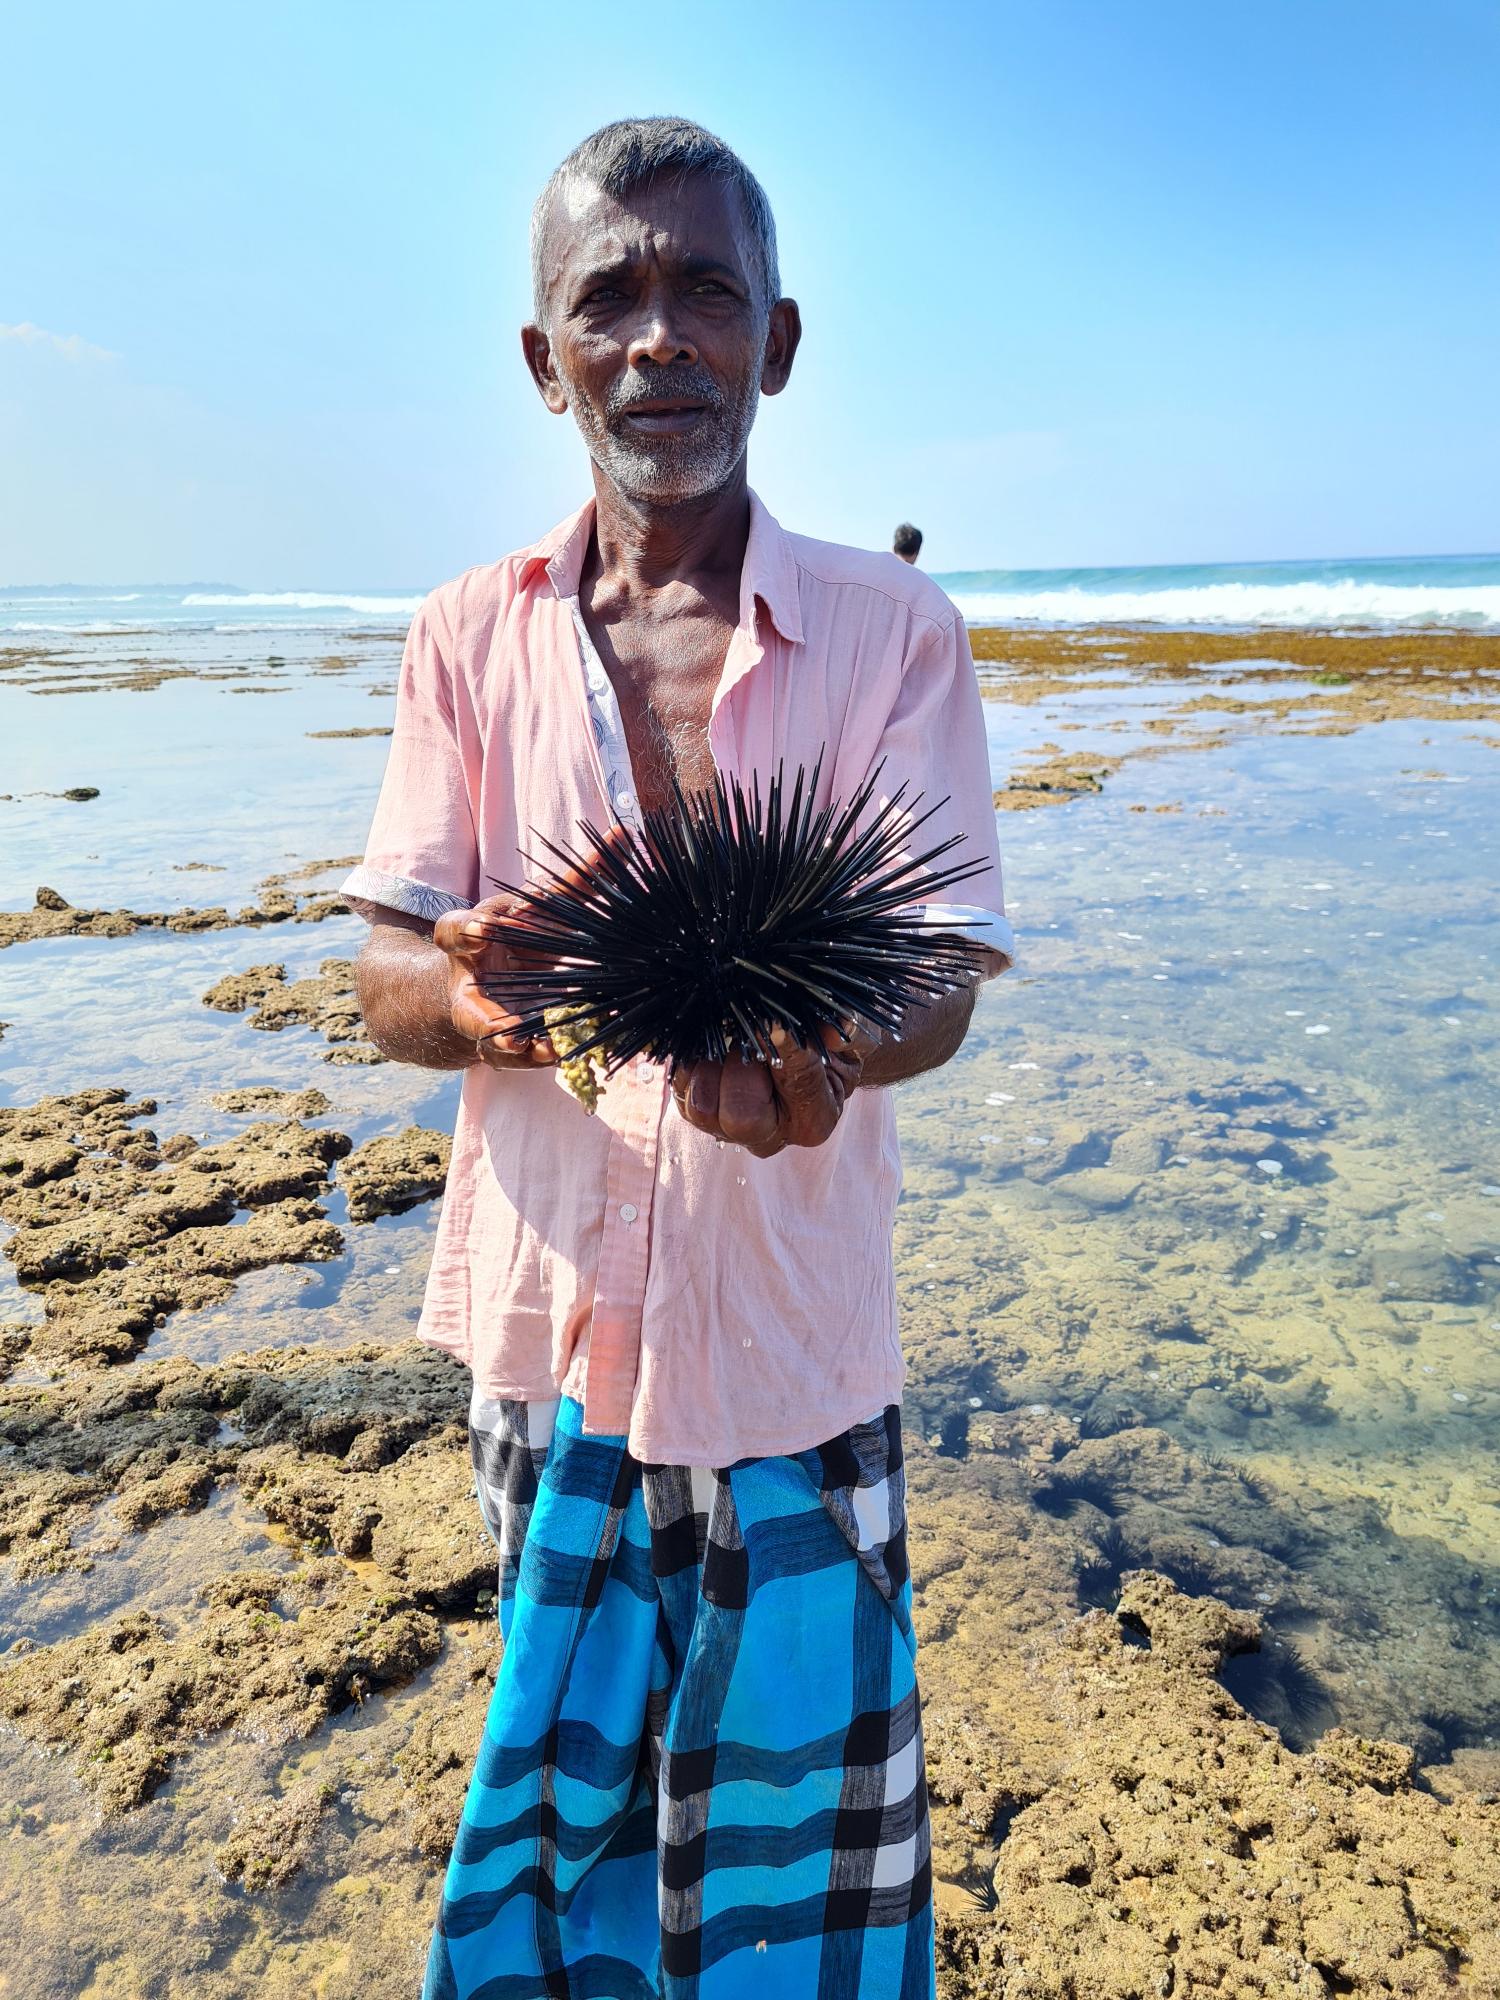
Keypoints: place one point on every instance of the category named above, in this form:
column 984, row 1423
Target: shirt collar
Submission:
column 769, row 576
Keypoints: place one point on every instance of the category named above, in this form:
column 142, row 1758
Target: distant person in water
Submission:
column 907, row 542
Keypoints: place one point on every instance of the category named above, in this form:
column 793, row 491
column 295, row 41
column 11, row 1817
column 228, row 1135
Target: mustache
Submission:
column 691, row 384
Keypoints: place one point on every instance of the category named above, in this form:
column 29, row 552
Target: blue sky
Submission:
column 1084, row 281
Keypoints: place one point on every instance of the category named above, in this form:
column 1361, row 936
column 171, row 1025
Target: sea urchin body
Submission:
column 727, row 916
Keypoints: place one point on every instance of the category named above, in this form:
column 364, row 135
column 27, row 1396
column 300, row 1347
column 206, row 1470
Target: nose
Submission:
column 657, row 339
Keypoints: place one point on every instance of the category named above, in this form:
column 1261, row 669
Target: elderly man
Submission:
column 701, row 1773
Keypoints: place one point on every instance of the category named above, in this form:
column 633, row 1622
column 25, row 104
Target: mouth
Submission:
column 664, row 417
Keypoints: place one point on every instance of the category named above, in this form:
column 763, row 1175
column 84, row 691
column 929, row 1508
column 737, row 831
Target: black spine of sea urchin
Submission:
column 728, row 916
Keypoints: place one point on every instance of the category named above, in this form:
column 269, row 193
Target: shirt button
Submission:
column 627, row 801
column 628, row 1211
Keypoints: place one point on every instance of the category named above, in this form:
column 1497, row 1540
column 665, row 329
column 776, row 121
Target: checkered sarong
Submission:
column 701, row 1775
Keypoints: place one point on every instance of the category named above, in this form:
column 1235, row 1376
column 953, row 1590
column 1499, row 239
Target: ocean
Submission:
column 1460, row 591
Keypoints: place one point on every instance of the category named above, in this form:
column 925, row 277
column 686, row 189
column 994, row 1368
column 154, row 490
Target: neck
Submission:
column 645, row 544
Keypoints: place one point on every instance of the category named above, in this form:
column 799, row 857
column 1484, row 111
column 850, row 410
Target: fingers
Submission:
column 810, row 1093
column 846, row 1050
column 695, row 1086
column 731, row 1101
column 466, row 933
column 492, row 1029
column 748, row 1111
column 474, row 941
column 488, row 937
column 796, row 1100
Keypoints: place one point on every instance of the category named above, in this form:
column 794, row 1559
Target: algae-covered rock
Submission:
column 326, row 1003
column 436, row 1762
column 273, row 1837
column 389, row 1175
column 237, row 991
column 117, row 1235
column 285, row 1652
column 54, row 916
column 311, row 1424
column 267, row 1097
column 415, row 1516
column 1177, row 1846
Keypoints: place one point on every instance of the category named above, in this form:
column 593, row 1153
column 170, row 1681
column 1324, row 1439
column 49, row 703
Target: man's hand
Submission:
column 474, row 941
column 762, row 1106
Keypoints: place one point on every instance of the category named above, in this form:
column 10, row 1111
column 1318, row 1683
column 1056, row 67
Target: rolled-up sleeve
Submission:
column 422, row 856
column 934, row 743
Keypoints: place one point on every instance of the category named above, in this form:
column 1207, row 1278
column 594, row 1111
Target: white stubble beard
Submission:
column 664, row 471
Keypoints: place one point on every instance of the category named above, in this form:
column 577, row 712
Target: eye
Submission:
column 711, row 285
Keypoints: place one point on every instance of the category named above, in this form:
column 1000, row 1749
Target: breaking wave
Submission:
column 300, row 600
column 1342, row 602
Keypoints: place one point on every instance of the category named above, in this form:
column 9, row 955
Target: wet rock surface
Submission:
column 325, row 1003
column 312, row 1433
column 288, row 1650
column 275, row 1836
column 267, row 1097
column 116, row 1236
column 1213, row 683
column 389, row 1175
column 1172, row 1845
column 54, row 916
column 1054, row 778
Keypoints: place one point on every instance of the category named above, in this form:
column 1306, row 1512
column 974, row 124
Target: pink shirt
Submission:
column 710, row 1305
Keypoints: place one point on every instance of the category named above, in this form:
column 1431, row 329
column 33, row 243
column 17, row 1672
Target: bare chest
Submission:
column 664, row 678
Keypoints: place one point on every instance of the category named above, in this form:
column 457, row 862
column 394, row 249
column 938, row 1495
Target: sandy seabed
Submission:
column 1200, row 1422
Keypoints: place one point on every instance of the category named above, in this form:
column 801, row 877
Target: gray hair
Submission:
column 621, row 158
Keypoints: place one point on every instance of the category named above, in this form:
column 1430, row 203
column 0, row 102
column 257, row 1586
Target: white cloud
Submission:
column 71, row 346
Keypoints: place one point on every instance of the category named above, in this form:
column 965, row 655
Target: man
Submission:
column 701, row 1773
column 907, row 543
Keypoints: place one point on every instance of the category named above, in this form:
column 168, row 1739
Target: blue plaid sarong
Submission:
column 701, row 1776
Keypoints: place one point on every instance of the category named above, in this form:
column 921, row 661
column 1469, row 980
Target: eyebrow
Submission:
column 601, row 274
column 693, row 264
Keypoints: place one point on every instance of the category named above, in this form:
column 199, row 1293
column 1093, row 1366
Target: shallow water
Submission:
column 1229, row 1136
column 1221, row 1156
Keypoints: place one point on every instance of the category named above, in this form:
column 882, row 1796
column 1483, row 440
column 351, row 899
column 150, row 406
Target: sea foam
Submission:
column 1313, row 603
column 301, row 600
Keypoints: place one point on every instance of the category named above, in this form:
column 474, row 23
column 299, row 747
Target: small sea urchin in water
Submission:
column 729, row 916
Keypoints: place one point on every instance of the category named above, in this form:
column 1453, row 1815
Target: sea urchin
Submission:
column 728, row 916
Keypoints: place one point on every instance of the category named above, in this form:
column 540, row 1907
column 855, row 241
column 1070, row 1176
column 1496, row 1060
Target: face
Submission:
column 659, row 337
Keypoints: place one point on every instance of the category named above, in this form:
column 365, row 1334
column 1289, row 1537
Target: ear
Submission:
column 783, row 337
column 538, row 351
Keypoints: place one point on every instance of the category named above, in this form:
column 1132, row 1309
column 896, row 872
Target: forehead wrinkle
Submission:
column 624, row 235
